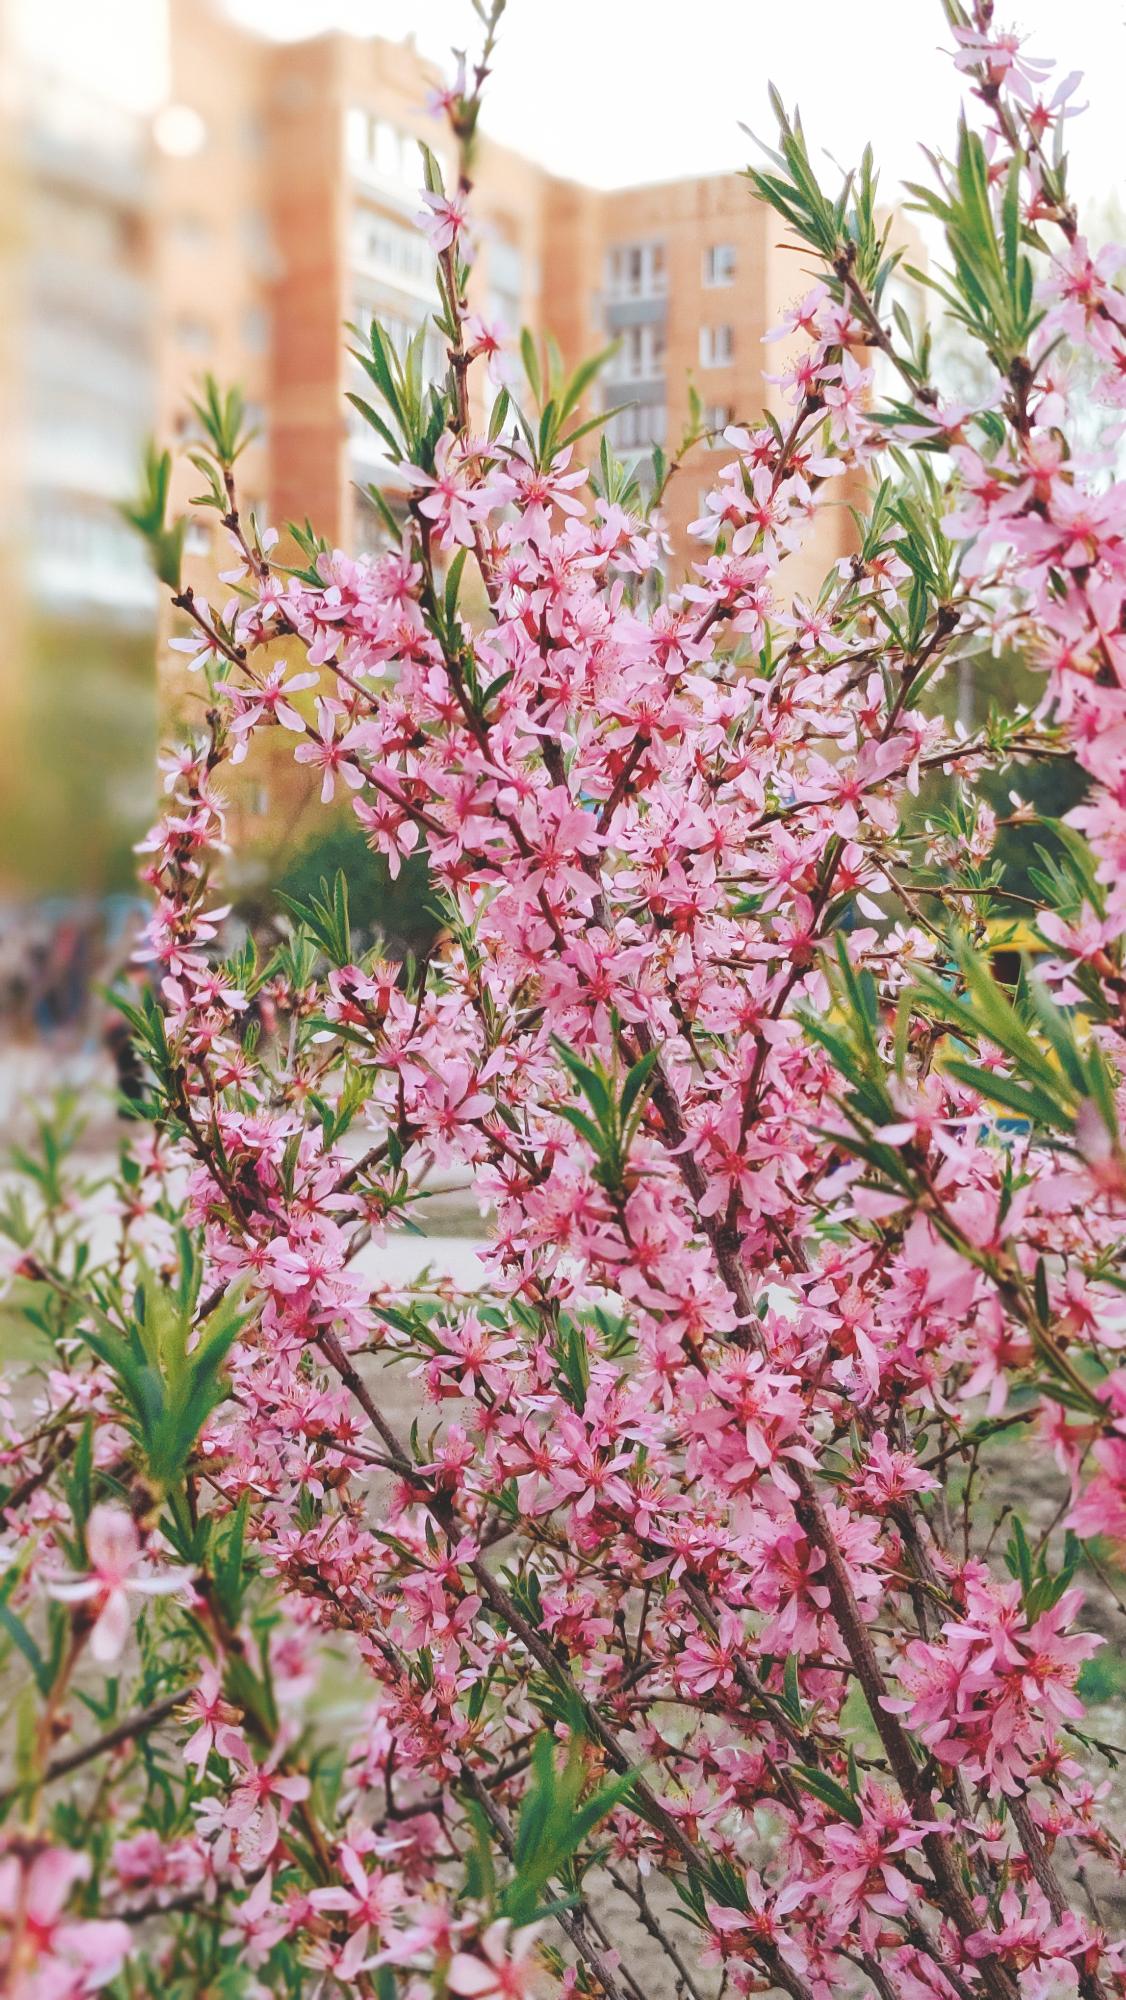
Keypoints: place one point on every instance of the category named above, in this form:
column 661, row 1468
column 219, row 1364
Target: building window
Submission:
column 505, row 311
column 900, row 295
column 87, row 549
column 402, row 253
column 377, row 147
column 357, row 137
column 369, row 535
column 194, row 334
column 506, row 277
column 191, row 233
column 256, row 329
column 717, row 346
column 401, row 326
column 635, row 271
column 717, row 416
column 197, row 537
column 252, row 135
column 506, row 265
column 641, row 354
column 391, row 151
column 638, row 426
column 719, row 264
column 254, row 231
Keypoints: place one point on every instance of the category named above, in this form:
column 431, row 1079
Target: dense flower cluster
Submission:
column 683, row 1597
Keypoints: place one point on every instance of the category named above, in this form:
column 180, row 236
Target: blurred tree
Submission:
column 403, row 912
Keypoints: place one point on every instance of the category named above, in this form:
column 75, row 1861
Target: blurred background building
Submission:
column 79, row 395
column 286, row 186
column 268, row 200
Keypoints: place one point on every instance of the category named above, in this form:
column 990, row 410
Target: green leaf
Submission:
column 573, row 1359
column 1018, row 1556
column 21, row 1638
column 822, row 1787
column 583, row 376
column 635, row 1091
column 167, row 1371
column 453, row 585
column 555, row 1819
column 531, row 363
column 791, row 1691
column 325, row 917
column 373, row 418
column 585, row 1126
column 147, row 515
column 1026, row 1099
column 595, row 1087
column 227, row 1563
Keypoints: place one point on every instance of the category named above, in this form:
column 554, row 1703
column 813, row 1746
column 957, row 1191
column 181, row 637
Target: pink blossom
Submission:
column 215, row 1721
column 443, row 219
column 331, row 753
column 117, row 1570
column 59, row 1955
column 505, row 1969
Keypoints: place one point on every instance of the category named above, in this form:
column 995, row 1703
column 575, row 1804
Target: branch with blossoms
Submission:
column 671, row 1611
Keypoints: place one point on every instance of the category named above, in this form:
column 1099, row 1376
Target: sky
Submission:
column 614, row 91
column 628, row 90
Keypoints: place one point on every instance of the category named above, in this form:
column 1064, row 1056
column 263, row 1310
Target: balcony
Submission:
column 619, row 312
column 118, row 299
column 632, row 389
column 368, row 460
column 62, row 363
column 61, row 460
column 391, row 190
column 392, row 277
column 113, row 173
column 68, row 584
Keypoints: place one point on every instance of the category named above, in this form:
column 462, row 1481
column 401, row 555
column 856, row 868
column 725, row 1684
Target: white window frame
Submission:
column 642, row 354
column 717, row 417
column 639, row 426
column 716, row 276
column 717, row 346
column 636, row 270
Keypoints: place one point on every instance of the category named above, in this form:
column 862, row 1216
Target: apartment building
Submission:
column 287, row 183
column 216, row 270
column 686, row 277
column 268, row 204
column 290, row 213
column 78, row 398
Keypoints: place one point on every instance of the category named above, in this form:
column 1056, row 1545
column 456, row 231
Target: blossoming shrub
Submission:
column 685, row 1611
